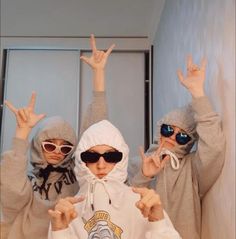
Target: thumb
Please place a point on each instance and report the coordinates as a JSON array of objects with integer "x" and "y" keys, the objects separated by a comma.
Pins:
[
  {"x": 54, "y": 214},
  {"x": 41, "y": 116},
  {"x": 85, "y": 59}
]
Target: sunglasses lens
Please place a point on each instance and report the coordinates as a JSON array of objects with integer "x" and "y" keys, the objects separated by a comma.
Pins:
[
  {"x": 66, "y": 149},
  {"x": 113, "y": 157},
  {"x": 93, "y": 157},
  {"x": 89, "y": 157},
  {"x": 182, "y": 138},
  {"x": 166, "y": 130},
  {"x": 49, "y": 147}
]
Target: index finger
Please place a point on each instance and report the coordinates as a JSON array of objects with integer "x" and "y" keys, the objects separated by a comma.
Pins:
[
  {"x": 93, "y": 43},
  {"x": 141, "y": 152},
  {"x": 141, "y": 191},
  {"x": 160, "y": 148},
  {"x": 203, "y": 64},
  {"x": 189, "y": 61},
  {"x": 74, "y": 200},
  {"x": 10, "y": 106},
  {"x": 32, "y": 101}
]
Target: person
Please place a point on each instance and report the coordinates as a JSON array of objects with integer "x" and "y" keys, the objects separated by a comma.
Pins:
[
  {"x": 25, "y": 199},
  {"x": 105, "y": 207},
  {"x": 183, "y": 177}
]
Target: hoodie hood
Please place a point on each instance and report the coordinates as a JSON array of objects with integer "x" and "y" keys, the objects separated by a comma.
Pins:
[
  {"x": 184, "y": 119},
  {"x": 51, "y": 128},
  {"x": 112, "y": 185},
  {"x": 101, "y": 133}
]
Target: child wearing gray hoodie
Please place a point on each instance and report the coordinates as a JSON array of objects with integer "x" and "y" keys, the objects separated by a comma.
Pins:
[{"x": 183, "y": 176}]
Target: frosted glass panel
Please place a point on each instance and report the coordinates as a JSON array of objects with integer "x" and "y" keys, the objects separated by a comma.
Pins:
[{"x": 53, "y": 74}]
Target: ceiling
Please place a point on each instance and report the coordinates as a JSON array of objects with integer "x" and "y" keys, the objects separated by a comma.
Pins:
[{"x": 80, "y": 18}]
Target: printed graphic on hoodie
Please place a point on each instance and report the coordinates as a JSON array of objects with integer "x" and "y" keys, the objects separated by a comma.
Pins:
[{"x": 100, "y": 227}]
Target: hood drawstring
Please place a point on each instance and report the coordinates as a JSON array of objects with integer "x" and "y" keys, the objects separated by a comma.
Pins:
[
  {"x": 174, "y": 161},
  {"x": 90, "y": 193}
]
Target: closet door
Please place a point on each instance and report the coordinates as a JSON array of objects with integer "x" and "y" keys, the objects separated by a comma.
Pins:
[
  {"x": 53, "y": 74},
  {"x": 125, "y": 94}
]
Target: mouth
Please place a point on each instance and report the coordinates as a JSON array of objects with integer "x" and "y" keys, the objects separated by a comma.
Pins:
[
  {"x": 169, "y": 143},
  {"x": 101, "y": 175}
]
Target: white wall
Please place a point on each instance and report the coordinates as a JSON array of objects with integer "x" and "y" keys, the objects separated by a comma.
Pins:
[{"x": 202, "y": 28}]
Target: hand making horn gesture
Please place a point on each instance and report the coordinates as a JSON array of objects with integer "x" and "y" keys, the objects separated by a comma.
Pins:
[
  {"x": 152, "y": 164},
  {"x": 195, "y": 78},
  {"x": 26, "y": 118},
  {"x": 64, "y": 212},
  {"x": 149, "y": 204},
  {"x": 98, "y": 58}
]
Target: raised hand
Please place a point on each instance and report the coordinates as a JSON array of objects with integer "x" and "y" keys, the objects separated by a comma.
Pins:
[
  {"x": 195, "y": 78},
  {"x": 149, "y": 204},
  {"x": 26, "y": 118},
  {"x": 152, "y": 164},
  {"x": 64, "y": 212},
  {"x": 98, "y": 59}
]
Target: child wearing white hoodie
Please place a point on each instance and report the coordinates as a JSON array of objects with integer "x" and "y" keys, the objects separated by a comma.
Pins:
[{"x": 105, "y": 207}]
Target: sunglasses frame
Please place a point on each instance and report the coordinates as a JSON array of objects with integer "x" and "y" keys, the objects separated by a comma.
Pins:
[
  {"x": 57, "y": 147},
  {"x": 86, "y": 154},
  {"x": 177, "y": 136}
]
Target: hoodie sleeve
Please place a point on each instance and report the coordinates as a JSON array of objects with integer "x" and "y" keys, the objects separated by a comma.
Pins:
[
  {"x": 15, "y": 186},
  {"x": 208, "y": 160},
  {"x": 62, "y": 234},
  {"x": 96, "y": 111},
  {"x": 162, "y": 229}
]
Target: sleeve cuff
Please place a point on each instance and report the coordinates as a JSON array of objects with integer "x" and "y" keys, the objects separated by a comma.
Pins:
[
  {"x": 61, "y": 234},
  {"x": 99, "y": 95},
  {"x": 202, "y": 105}
]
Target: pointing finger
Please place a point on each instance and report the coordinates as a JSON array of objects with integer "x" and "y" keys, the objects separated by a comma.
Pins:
[
  {"x": 140, "y": 191},
  {"x": 74, "y": 200},
  {"x": 160, "y": 148},
  {"x": 203, "y": 64},
  {"x": 141, "y": 152}
]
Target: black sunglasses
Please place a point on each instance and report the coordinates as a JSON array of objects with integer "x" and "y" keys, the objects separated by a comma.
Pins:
[
  {"x": 181, "y": 137},
  {"x": 93, "y": 157}
]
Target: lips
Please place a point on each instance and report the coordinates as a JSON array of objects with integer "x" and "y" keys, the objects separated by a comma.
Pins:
[{"x": 101, "y": 175}]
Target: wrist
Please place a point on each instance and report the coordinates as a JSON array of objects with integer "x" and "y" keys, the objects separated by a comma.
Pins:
[
  {"x": 198, "y": 93},
  {"x": 99, "y": 80},
  {"x": 58, "y": 228},
  {"x": 22, "y": 133}
]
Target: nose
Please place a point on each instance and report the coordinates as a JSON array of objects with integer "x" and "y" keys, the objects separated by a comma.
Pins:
[
  {"x": 173, "y": 135},
  {"x": 101, "y": 163}
]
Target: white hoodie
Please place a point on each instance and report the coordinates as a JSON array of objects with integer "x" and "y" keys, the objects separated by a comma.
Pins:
[{"x": 109, "y": 211}]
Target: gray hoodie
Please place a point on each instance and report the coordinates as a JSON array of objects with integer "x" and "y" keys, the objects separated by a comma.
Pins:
[
  {"x": 26, "y": 197},
  {"x": 181, "y": 190}
]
